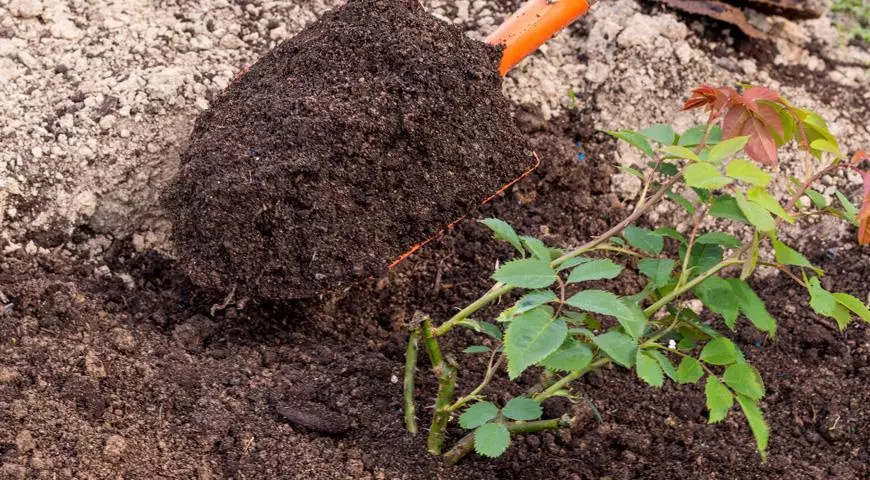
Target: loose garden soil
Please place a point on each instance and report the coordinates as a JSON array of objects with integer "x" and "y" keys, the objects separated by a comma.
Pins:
[
  {"x": 340, "y": 149},
  {"x": 105, "y": 379}
]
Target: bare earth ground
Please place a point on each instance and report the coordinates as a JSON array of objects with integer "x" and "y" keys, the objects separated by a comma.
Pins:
[{"x": 111, "y": 368}]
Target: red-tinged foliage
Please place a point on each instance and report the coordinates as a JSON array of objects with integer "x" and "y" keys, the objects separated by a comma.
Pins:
[
  {"x": 757, "y": 121},
  {"x": 864, "y": 214},
  {"x": 751, "y": 114},
  {"x": 713, "y": 99}
]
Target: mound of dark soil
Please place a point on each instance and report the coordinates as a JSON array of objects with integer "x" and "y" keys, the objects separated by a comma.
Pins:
[{"x": 339, "y": 150}]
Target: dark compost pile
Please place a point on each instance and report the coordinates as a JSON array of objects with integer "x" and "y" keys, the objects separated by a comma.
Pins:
[{"x": 339, "y": 150}]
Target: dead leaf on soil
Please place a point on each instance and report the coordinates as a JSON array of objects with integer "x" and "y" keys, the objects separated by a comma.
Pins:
[
  {"x": 719, "y": 11},
  {"x": 786, "y": 8}
]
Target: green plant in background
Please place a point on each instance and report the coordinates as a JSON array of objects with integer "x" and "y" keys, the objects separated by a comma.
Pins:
[
  {"x": 560, "y": 329},
  {"x": 858, "y": 15}
]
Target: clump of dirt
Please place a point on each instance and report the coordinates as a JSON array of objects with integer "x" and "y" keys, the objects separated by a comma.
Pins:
[{"x": 339, "y": 150}]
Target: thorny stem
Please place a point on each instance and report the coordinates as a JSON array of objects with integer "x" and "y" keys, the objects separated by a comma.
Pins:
[
  {"x": 446, "y": 372},
  {"x": 624, "y": 251},
  {"x": 410, "y": 369},
  {"x": 806, "y": 185},
  {"x": 785, "y": 270},
  {"x": 640, "y": 209},
  {"x": 446, "y": 387},
  {"x": 652, "y": 309},
  {"x": 464, "y": 446},
  {"x": 560, "y": 384},
  {"x": 495, "y": 292},
  {"x": 655, "y": 338},
  {"x": 431, "y": 345},
  {"x": 684, "y": 273},
  {"x": 490, "y": 372}
]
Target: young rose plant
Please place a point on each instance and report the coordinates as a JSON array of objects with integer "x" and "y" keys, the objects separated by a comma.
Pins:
[{"x": 564, "y": 330}]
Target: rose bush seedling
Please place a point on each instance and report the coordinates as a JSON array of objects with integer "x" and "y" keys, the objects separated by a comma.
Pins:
[{"x": 721, "y": 169}]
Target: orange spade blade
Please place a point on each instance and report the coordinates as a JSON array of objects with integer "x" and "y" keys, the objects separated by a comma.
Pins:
[{"x": 532, "y": 25}]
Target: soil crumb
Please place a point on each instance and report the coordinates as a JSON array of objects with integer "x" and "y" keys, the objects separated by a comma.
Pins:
[{"x": 339, "y": 150}]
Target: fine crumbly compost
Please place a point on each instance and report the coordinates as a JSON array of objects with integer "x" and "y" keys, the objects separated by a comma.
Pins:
[{"x": 339, "y": 150}]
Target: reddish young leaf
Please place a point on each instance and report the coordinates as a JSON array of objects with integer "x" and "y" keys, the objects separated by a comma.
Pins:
[
  {"x": 740, "y": 121},
  {"x": 714, "y": 100},
  {"x": 864, "y": 214},
  {"x": 752, "y": 114},
  {"x": 859, "y": 157},
  {"x": 754, "y": 94}
]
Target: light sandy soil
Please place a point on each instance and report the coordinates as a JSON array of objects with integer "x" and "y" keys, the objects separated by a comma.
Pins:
[{"x": 97, "y": 97}]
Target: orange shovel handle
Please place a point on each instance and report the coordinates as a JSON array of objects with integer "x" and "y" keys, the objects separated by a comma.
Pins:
[{"x": 532, "y": 25}]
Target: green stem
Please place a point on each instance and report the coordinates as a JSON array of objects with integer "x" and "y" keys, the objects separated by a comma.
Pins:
[
  {"x": 560, "y": 384},
  {"x": 464, "y": 446},
  {"x": 652, "y": 309},
  {"x": 446, "y": 387},
  {"x": 431, "y": 345},
  {"x": 624, "y": 251},
  {"x": 642, "y": 207},
  {"x": 684, "y": 272},
  {"x": 490, "y": 371},
  {"x": 408, "y": 393},
  {"x": 494, "y": 293}
]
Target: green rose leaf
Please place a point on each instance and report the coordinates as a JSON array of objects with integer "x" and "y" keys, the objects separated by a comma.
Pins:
[
  {"x": 606, "y": 303},
  {"x": 477, "y": 414},
  {"x": 789, "y": 256},
  {"x": 503, "y": 231},
  {"x": 679, "y": 151},
  {"x": 531, "y": 337},
  {"x": 761, "y": 197},
  {"x": 658, "y": 270},
  {"x": 649, "y": 370},
  {"x": 635, "y": 139},
  {"x": 570, "y": 357},
  {"x": 533, "y": 300},
  {"x": 643, "y": 239},
  {"x": 821, "y": 300},
  {"x": 752, "y": 306},
  {"x": 744, "y": 380},
  {"x": 661, "y": 133},
  {"x": 726, "y": 148},
  {"x": 719, "y": 399},
  {"x": 618, "y": 346},
  {"x": 526, "y": 273},
  {"x": 595, "y": 270},
  {"x": 725, "y": 206},
  {"x": 718, "y": 238},
  {"x": 666, "y": 364},
  {"x": 756, "y": 423},
  {"x": 689, "y": 371},
  {"x": 491, "y": 440},
  {"x": 748, "y": 172},
  {"x": 716, "y": 294},
  {"x": 537, "y": 248},
  {"x": 704, "y": 175},
  {"x": 522, "y": 408},
  {"x": 720, "y": 351},
  {"x": 853, "y": 304},
  {"x": 755, "y": 213}
]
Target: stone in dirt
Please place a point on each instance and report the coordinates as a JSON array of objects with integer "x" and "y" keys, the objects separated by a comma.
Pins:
[{"x": 340, "y": 149}]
